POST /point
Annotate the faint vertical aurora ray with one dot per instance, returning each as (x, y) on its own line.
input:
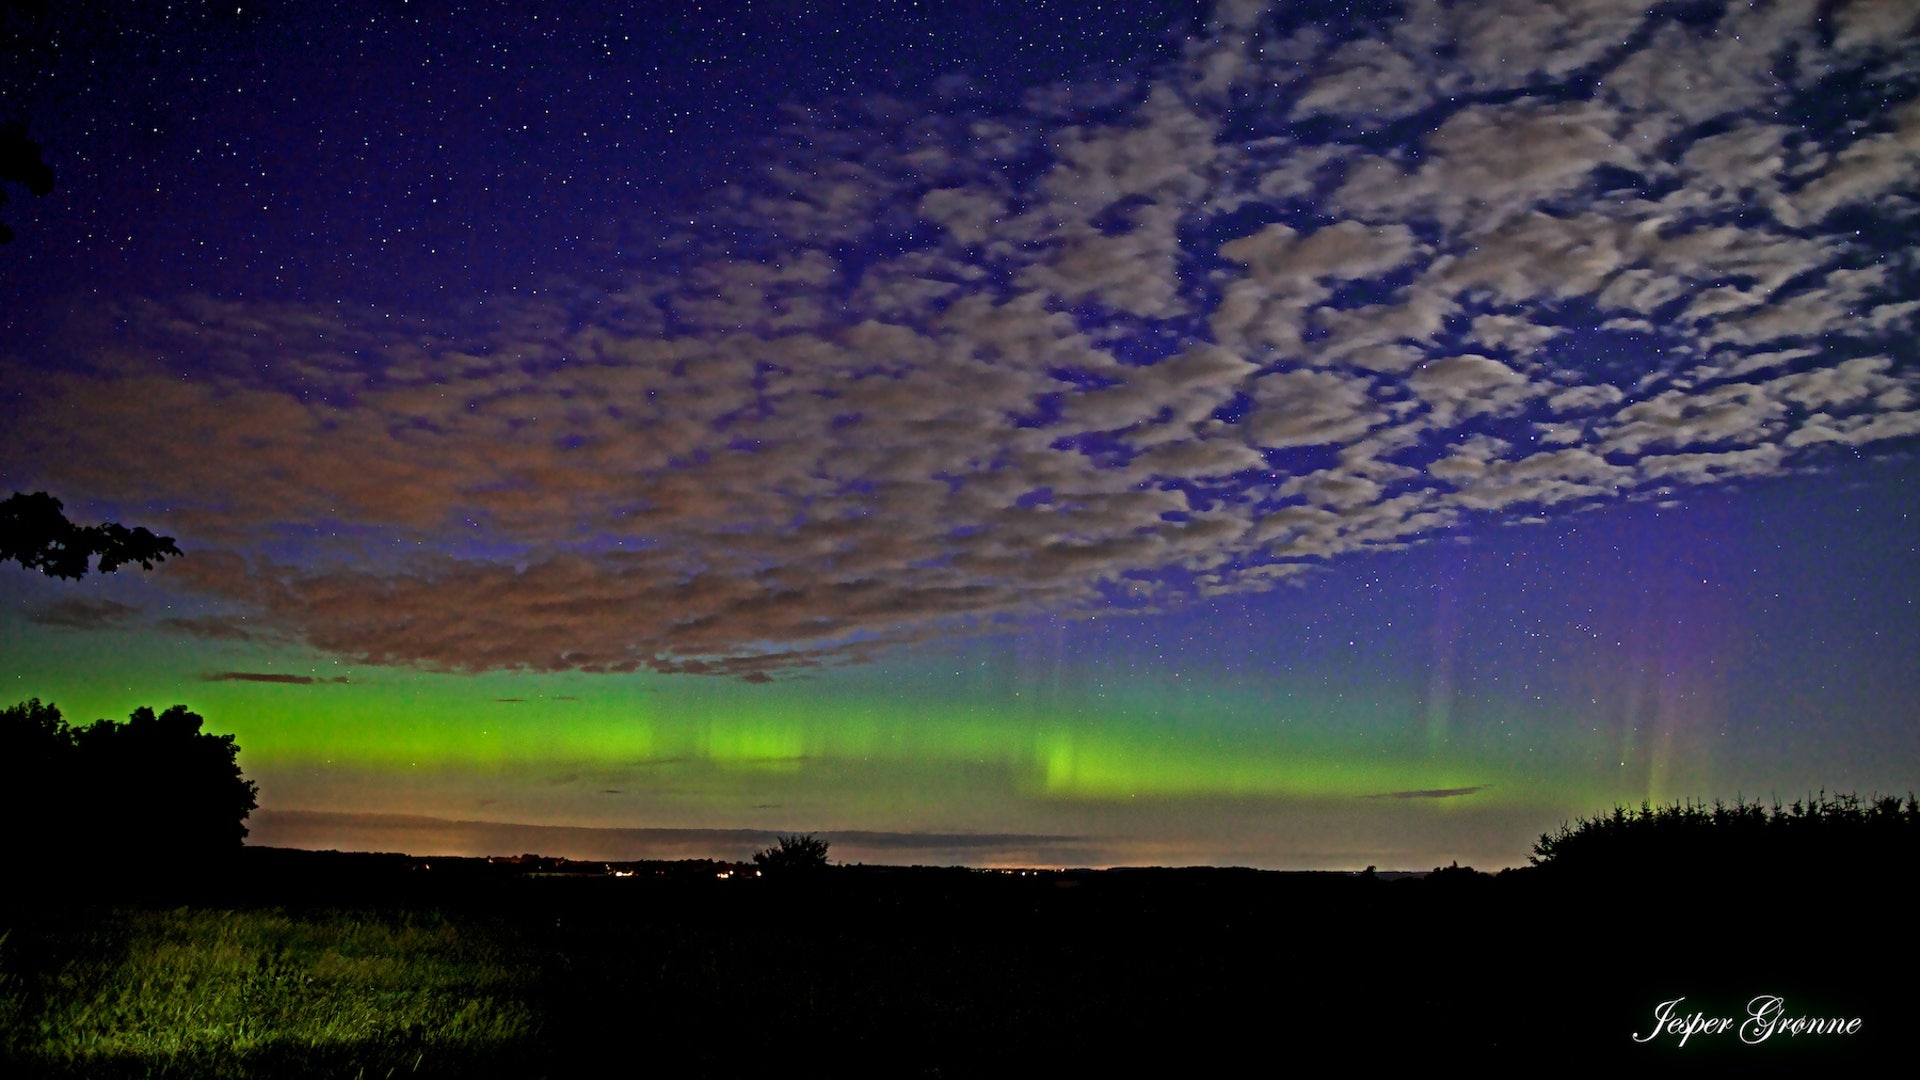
(1445, 637)
(1633, 711)
(1683, 649)
(1690, 705)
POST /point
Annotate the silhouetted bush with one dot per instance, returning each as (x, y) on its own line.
(1828, 833)
(154, 791)
(793, 854)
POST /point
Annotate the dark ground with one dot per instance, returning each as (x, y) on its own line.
(944, 972)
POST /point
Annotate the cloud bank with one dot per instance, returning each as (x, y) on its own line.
(1313, 289)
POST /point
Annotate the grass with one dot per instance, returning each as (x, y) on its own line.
(220, 993)
(385, 972)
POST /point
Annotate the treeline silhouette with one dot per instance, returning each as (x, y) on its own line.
(1823, 834)
(153, 795)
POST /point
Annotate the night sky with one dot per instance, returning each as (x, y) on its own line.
(1296, 435)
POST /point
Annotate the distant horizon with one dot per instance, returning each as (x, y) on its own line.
(309, 830)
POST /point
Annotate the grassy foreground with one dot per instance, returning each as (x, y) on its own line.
(317, 964)
(223, 993)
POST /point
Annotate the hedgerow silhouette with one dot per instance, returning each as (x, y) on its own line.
(1825, 833)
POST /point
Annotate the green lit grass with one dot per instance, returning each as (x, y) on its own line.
(212, 993)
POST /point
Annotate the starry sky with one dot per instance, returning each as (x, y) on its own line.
(1292, 434)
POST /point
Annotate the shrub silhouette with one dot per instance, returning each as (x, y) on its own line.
(1824, 834)
(153, 792)
(793, 854)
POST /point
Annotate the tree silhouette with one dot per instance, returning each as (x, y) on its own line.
(20, 161)
(793, 854)
(36, 763)
(20, 164)
(35, 534)
(164, 786)
(151, 793)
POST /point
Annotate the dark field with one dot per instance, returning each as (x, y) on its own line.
(302, 964)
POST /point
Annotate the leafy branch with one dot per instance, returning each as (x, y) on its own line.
(35, 534)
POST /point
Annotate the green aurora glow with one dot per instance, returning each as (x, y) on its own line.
(864, 749)
(1430, 743)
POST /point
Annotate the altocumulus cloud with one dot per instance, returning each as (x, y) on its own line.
(1305, 291)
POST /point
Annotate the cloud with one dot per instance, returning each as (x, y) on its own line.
(941, 366)
(267, 677)
(1430, 793)
(83, 614)
(211, 627)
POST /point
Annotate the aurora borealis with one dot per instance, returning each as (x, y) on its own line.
(1290, 435)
